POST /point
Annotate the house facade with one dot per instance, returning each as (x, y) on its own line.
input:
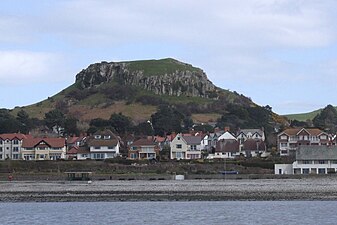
(246, 134)
(253, 148)
(185, 147)
(311, 160)
(10, 145)
(43, 149)
(103, 145)
(143, 149)
(289, 140)
(226, 149)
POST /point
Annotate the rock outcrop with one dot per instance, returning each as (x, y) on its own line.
(185, 80)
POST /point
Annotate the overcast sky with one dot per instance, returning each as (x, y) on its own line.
(278, 52)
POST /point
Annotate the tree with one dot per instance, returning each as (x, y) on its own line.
(143, 128)
(120, 123)
(167, 120)
(70, 126)
(55, 119)
(25, 123)
(8, 124)
(326, 119)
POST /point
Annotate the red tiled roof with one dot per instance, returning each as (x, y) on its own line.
(73, 150)
(12, 136)
(52, 142)
(72, 140)
(294, 131)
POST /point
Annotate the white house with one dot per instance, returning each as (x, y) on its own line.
(227, 136)
(311, 160)
(245, 134)
(43, 148)
(290, 139)
(185, 147)
(103, 145)
(10, 145)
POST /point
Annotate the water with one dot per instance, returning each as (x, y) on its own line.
(165, 213)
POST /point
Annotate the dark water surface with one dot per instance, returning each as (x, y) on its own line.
(198, 212)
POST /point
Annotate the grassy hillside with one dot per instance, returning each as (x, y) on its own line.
(160, 67)
(303, 116)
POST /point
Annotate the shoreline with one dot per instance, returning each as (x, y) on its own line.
(170, 190)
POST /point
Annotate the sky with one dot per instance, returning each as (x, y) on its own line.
(281, 53)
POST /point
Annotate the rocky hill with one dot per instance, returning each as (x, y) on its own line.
(162, 77)
(137, 89)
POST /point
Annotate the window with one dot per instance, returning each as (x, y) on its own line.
(306, 162)
(178, 146)
(133, 156)
(16, 142)
(107, 137)
(0, 142)
(97, 136)
(97, 147)
(193, 147)
(0, 156)
(84, 155)
(15, 149)
(15, 156)
(323, 137)
(134, 148)
(283, 145)
(284, 152)
(305, 171)
(322, 162)
(0, 149)
(178, 138)
(321, 170)
(29, 156)
(42, 148)
(41, 156)
(98, 155)
(111, 147)
(179, 155)
(54, 156)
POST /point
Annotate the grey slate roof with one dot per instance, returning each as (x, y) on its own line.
(192, 140)
(321, 152)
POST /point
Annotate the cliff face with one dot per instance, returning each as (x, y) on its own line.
(171, 78)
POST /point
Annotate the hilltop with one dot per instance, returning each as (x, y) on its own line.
(137, 88)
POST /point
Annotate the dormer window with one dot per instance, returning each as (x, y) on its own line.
(97, 136)
(107, 137)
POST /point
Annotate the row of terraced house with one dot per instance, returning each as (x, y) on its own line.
(105, 144)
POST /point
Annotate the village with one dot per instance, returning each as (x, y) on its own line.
(313, 151)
